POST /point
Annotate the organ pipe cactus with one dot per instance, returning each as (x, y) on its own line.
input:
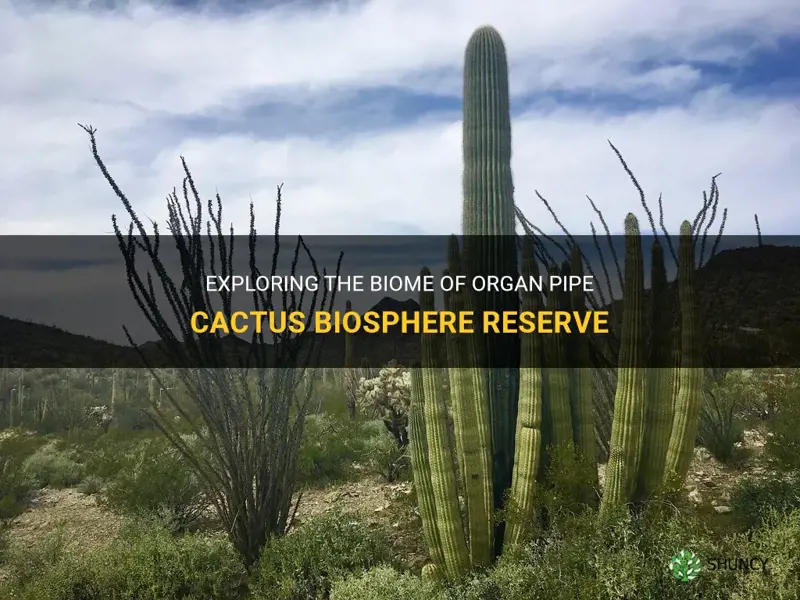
(421, 467)
(556, 376)
(660, 381)
(627, 426)
(689, 385)
(529, 416)
(581, 377)
(440, 457)
(472, 420)
(510, 399)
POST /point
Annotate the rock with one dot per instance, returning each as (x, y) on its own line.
(722, 509)
(701, 453)
(753, 438)
(695, 496)
(709, 482)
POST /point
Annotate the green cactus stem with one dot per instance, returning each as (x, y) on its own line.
(440, 456)
(114, 377)
(529, 416)
(581, 408)
(557, 412)
(489, 227)
(421, 467)
(628, 423)
(690, 376)
(350, 366)
(660, 381)
(472, 424)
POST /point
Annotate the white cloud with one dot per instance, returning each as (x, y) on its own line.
(128, 71)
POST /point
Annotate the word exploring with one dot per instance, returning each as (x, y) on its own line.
(427, 322)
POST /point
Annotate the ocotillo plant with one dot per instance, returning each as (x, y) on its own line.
(552, 404)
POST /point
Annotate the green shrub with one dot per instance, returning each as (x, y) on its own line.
(155, 481)
(91, 485)
(51, 467)
(15, 483)
(304, 564)
(329, 448)
(384, 457)
(567, 488)
(105, 454)
(783, 441)
(754, 499)
(30, 563)
(147, 564)
(720, 427)
(618, 557)
(329, 398)
(780, 544)
(381, 583)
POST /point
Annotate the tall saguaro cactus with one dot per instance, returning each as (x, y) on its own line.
(489, 226)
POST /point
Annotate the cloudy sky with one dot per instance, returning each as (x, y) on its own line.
(355, 107)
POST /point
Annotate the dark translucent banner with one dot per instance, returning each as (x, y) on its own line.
(100, 302)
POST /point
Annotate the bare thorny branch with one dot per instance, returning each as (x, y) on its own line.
(251, 413)
(603, 296)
